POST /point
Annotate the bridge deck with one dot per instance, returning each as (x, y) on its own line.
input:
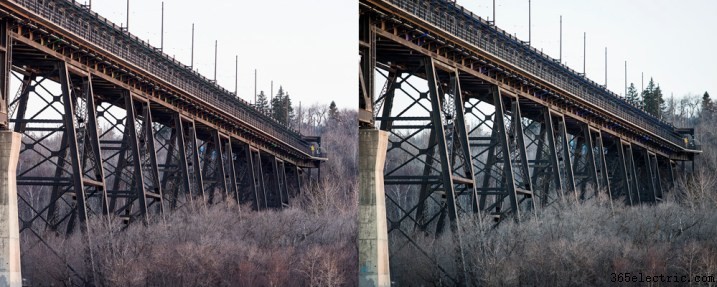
(135, 62)
(452, 27)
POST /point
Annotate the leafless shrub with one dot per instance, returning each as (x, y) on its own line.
(578, 244)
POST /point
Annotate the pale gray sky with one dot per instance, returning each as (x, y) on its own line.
(308, 47)
(670, 40)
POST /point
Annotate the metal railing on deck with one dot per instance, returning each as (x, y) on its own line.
(461, 23)
(94, 28)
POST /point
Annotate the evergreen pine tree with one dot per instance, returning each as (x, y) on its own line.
(632, 96)
(277, 107)
(281, 107)
(288, 110)
(659, 102)
(707, 105)
(651, 98)
(262, 104)
(333, 112)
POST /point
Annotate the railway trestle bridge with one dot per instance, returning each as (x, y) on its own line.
(460, 118)
(111, 126)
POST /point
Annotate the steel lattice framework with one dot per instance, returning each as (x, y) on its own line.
(113, 127)
(481, 123)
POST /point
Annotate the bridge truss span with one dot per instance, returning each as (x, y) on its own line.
(484, 128)
(113, 127)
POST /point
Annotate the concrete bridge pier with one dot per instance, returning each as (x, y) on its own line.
(373, 232)
(9, 228)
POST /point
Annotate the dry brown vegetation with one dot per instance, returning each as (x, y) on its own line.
(312, 243)
(220, 245)
(584, 243)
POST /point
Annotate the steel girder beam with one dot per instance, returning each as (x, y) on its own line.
(666, 172)
(183, 160)
(5, 74)
(213, 158)
(632, 173)
(280, 173)
(195, 164)
(563, 145)
(272, 183)
(656, 176)
(367, 64)
(643, 174)
(583, 160)
(257, 178)
(617, 172)
(601, 164)
(293, 179)
(230, 167)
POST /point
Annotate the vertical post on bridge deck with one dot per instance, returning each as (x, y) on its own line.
(561, 40)
(192, 49)
(127, 22)
(161, 41)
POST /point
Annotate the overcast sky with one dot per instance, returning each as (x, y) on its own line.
(309, 47)
(672, 41)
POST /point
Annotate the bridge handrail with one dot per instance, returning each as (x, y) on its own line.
(107, 35)
(462, 23)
